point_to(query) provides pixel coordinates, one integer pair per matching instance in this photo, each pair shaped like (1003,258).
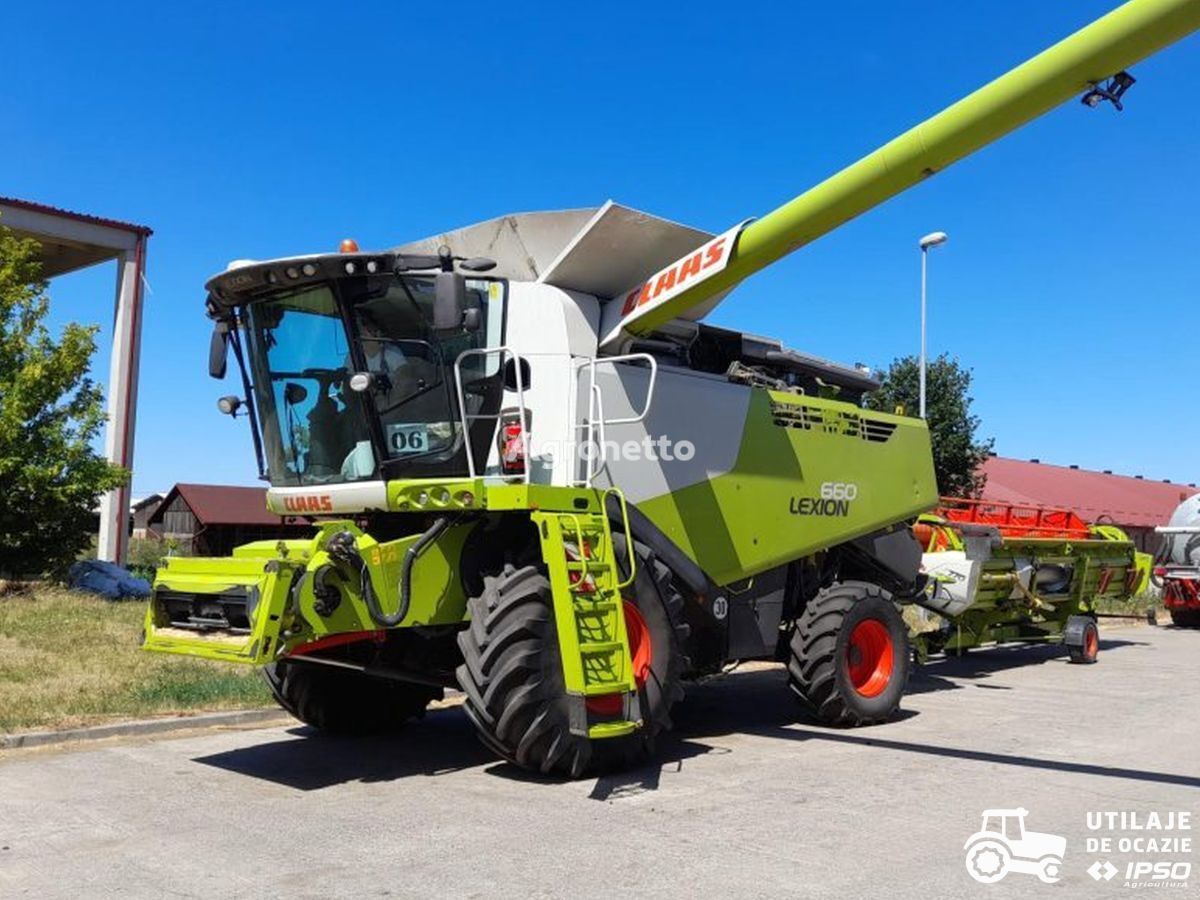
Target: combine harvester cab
(1177,568)
(1003,572)
(536,474)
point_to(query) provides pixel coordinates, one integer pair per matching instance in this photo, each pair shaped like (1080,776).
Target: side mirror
(510,374)
(294,393)
(218,350)
(449,301)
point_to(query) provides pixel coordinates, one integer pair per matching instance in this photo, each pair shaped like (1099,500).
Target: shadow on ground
(443,742)
(755,702)
(973,668)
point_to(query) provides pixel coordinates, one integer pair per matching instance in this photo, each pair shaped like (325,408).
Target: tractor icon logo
(1002,845)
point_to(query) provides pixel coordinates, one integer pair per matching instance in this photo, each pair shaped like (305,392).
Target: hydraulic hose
(341,548)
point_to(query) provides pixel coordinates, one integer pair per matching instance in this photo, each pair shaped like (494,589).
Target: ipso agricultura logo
(1003,845)
(1142,849)
(1128,848)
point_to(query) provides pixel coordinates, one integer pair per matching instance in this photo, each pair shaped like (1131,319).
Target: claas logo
(676,276)
(308,503)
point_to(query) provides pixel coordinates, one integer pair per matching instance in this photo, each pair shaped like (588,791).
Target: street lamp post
(930,240)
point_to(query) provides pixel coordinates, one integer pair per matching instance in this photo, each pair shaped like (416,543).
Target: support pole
(924,266)
(122,399)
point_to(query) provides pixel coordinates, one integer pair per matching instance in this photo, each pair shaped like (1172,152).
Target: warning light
(349,245)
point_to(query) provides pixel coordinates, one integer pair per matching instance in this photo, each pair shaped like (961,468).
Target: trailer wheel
(1084,649)
(1185,618)
(342,701)
(850,657)
(513,680)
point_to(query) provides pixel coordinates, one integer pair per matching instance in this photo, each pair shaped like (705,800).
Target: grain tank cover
(618,247)
(599,250)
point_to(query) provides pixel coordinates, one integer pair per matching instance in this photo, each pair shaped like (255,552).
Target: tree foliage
(51,412)
(957,453)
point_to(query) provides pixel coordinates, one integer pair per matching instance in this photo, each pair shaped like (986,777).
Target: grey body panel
(707,411)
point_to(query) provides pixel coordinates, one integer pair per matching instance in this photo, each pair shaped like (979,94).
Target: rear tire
(342,701)
(1088,650)
(850,656)
(1186,618)
(513,680)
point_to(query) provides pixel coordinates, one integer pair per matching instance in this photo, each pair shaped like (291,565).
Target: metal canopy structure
(71,241)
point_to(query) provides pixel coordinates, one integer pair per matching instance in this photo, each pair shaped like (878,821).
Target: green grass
(1134,606)
(70,659)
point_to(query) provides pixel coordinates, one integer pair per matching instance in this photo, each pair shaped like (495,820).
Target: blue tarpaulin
(107,579)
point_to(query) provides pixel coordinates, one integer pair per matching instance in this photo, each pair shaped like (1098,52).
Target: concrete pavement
(749,799)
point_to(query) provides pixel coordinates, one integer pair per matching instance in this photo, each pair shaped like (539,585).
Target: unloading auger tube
(1091,60)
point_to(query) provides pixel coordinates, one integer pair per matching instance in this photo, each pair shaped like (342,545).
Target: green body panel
(269,580)
(437,594)
(440,495)
(1114,42)
(769,509)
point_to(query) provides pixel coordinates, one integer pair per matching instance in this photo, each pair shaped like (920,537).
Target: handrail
(466,418)
(596,420)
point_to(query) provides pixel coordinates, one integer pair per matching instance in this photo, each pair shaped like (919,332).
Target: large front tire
(513,680)
(342,701)
(850,657)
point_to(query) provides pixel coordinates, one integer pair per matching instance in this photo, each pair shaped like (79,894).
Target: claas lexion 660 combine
(536,474)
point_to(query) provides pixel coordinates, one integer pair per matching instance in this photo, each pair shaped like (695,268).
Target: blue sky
(1069,284)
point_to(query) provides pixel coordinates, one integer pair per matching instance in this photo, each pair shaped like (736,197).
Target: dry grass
(69,659)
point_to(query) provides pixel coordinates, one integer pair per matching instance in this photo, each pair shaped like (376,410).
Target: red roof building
(1132,502)
(212,519)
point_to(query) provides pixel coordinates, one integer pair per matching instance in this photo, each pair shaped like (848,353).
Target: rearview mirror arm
(235,342)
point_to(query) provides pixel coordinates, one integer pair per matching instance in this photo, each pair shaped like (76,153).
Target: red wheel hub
(870,657)
(641,652)
(1091,644)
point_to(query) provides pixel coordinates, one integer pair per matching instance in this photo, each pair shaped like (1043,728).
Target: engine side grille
(840,422)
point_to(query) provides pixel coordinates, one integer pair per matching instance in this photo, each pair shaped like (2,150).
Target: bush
(146,555)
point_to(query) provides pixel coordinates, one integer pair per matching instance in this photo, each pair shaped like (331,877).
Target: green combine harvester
(537,475)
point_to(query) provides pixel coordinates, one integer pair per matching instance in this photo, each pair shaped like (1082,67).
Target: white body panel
(953,579)
(322,499)
(553,330)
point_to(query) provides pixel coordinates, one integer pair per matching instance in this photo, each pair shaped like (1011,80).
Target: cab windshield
(306,344)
